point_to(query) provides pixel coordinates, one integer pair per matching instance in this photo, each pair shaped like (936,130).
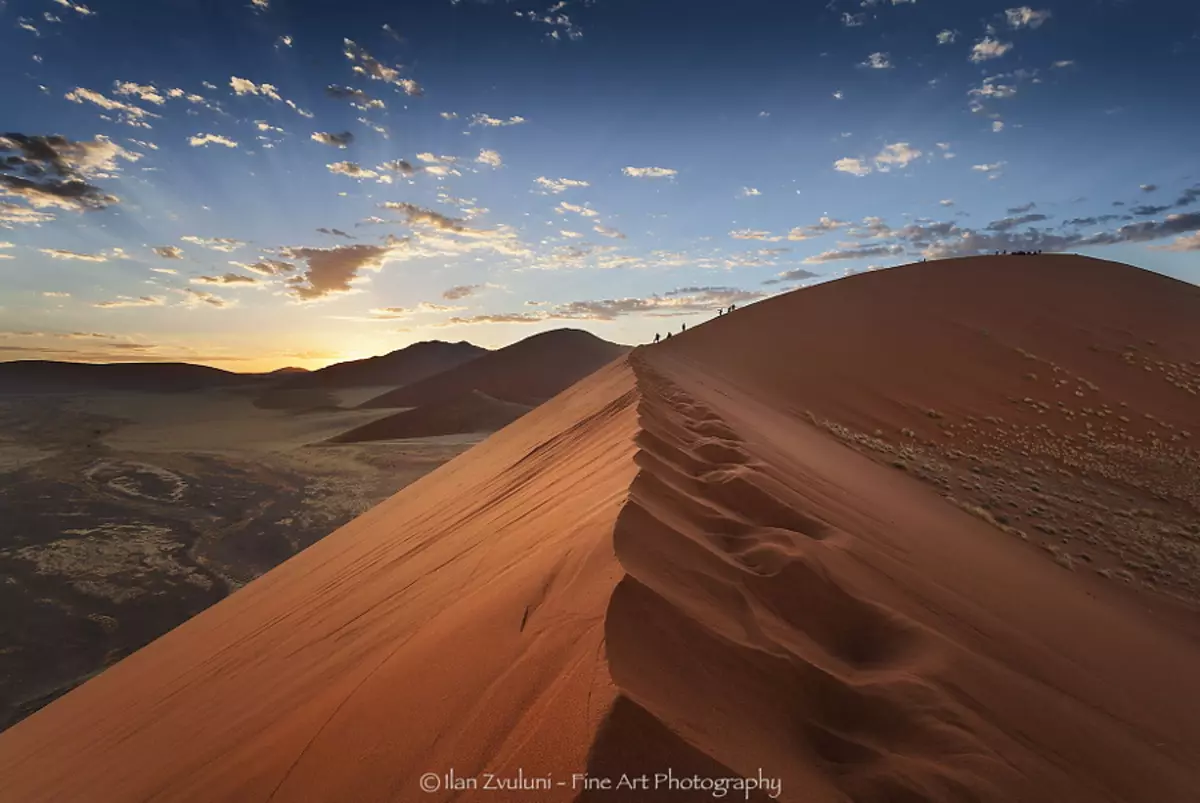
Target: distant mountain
(288,370)
(411,364)
(528,372)
(48,376)
(473,412)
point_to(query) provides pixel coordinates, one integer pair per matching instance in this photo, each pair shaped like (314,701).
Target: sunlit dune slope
(670,567)
(527,372)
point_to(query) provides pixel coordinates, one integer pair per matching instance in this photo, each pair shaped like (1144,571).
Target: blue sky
(177,181)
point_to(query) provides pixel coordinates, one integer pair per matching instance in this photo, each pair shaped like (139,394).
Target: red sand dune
(527,372)
(474,412)
(410,364)
(667,567)
(49,376)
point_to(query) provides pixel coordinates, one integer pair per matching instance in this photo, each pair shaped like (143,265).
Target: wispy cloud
(559,185)
(366,65)
(1025,17)
(487,120)
(341,140)
(201,140)
(129,301)
(59,253)
(223,244)
(878,61)
(489,157)
(989,48)
(168,251)
(649,172)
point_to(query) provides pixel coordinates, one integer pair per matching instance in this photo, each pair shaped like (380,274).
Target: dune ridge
(666,567)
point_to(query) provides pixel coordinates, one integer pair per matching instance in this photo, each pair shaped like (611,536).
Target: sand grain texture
(670,566)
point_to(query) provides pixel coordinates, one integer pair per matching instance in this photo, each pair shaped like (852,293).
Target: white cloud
(839,95)
(351,169)
(242,86)
(130,114)
(198,140)
(336,140)
(78,8)
(947,37)
(59,253)
(1025,17)
(824,225)
(856,167)
(946,202)
(989,48)
(899,154)
(754,234)
(366,65)
(559,185)
(997,126)
(853,20)
(1058,65)
(223,244)
(490,158)
(492,122)
(129,301)
(606,231)
(878,61)
(749,192)
(649,172)
(146,92)
(584,211)
(1188,243)
(988,168)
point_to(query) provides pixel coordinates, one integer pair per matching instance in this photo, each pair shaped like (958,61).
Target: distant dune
(402,367)
(749,551)
(46,376)
(474,412)
(527,372)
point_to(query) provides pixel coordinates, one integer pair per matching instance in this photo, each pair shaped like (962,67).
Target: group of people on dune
(683,328)
(1017,253)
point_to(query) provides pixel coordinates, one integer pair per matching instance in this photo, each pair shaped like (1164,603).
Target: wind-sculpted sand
(675,568)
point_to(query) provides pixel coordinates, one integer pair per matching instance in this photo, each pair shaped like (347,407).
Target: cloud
(351,169)
(794,275)
(487,120)
(946,202)
(78,8)
(992,169)
(196,298)
(58,253)
(605,231)
(128,301)
(146,92)
(853,20)
(224,244)
(855,167)
(331,270)
(682,301)
(749,192)
(243,86)
(822,226)
(1025,17)
(396,166)
(559,185)
(1149,187)
(839,95)
(54,172)
(358,99)
(227,279)
(989,48)
(168,251)
(947,37)
(336,233)
(461,291)
(565,207)
(878,61)
(198,140)
(54,294)
(489,157)
(366,65)
(899,155)
(754,234)
(1058,65)
(1189,243)
(1022,209)
(856,253)
(129,114)
(336,140)
(1010,223)
(992,90)
(260,5)
(649,172)
(266,267)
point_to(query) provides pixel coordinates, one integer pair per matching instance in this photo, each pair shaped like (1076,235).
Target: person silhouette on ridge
(656,337)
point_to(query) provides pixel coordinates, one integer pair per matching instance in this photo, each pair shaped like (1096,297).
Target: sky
(252,184)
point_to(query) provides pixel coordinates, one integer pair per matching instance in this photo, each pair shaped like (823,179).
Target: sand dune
(474,412)
(527,372)
(46,376)
(402,367)
(678,565)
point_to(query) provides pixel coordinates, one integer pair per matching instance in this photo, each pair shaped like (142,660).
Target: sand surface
(699,561)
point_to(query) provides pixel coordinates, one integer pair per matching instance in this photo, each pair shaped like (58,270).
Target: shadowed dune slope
(474,412)
(402,367)
(527,372)
(48,376)
(663,568)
